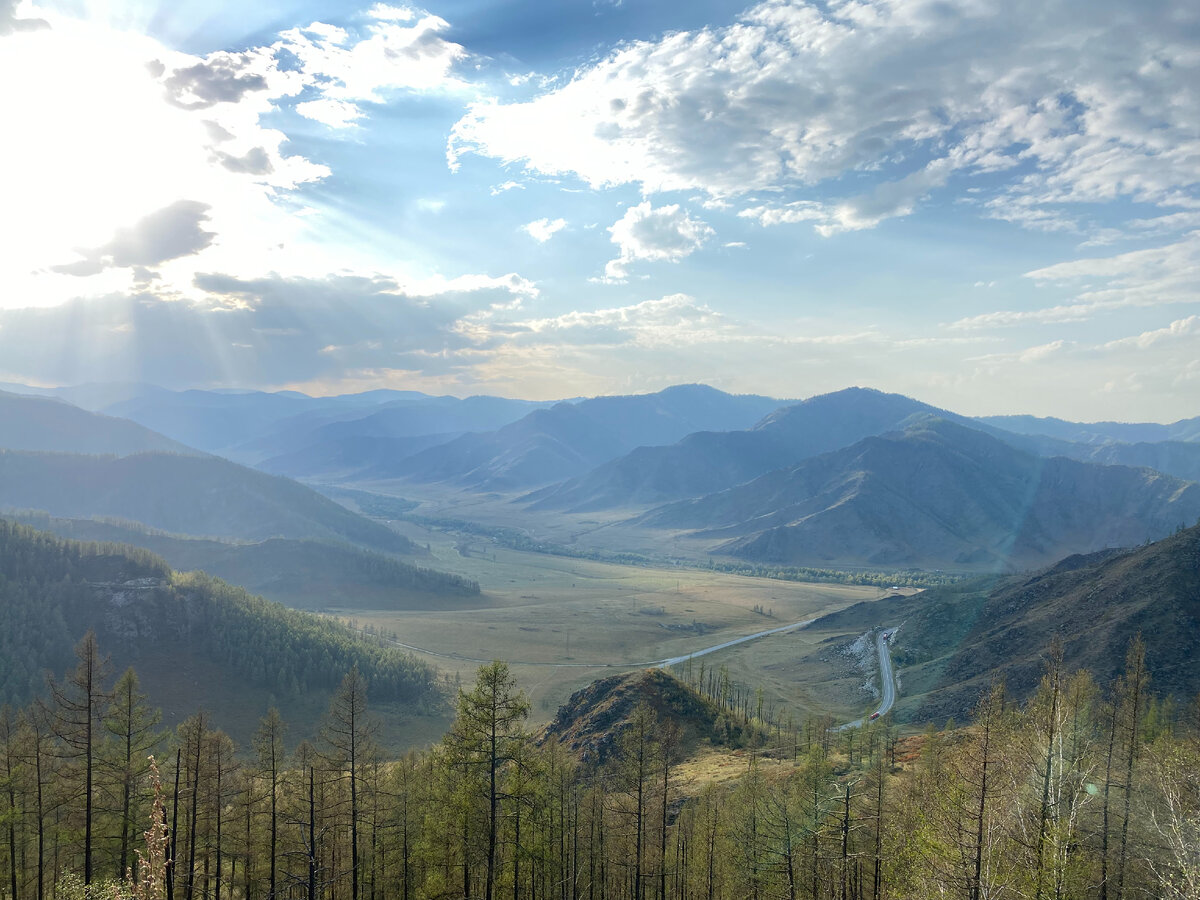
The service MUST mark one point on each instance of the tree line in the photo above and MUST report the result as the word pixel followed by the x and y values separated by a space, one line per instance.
pixel 1082 791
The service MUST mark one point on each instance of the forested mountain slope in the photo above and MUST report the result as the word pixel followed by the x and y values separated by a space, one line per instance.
pixel 196 641
pixel 192 495
pixel 302 574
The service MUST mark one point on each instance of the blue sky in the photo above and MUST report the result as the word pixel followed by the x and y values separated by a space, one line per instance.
pixel 994 207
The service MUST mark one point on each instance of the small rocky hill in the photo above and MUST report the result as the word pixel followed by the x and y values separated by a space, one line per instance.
pixel 591 722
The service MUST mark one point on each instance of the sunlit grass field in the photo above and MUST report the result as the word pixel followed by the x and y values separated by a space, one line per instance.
pixel 564 622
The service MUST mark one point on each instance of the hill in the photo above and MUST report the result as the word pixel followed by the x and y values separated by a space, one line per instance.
pixel 954 639
pixel 196 641
pixel 591 722
pixel 938 495
pixel 45 423
pixel 301 574
pixel 195 495
pixel 706 462
pixel 570 438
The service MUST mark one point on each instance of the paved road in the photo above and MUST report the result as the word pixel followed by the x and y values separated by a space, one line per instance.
pixel 886 675
pixel 676 660
pixel 657 664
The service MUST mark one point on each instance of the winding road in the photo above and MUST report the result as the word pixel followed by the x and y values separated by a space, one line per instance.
pixel 657 664
pixel 887 675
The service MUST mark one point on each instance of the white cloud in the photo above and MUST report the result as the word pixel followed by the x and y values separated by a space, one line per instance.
pixel 541 230
pixel 1003 318
pixel 665 234
pixel 1155 276
pixel 334 113
pixel 1058 104
pixel 1043 352
pixel 671 320
pixel 1180 329
pixel 403 50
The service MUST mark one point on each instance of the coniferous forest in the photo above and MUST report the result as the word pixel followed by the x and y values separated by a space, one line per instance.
pixel 1083 791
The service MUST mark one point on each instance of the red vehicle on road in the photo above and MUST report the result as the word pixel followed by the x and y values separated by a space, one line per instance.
pixel 873 717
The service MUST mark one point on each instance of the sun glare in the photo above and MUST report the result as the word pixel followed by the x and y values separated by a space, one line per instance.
pixel 99 145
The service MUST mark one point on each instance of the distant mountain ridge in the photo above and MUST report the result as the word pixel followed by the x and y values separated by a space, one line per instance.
pixel 936 495
pixel 45 423
pixel 569 438
pixel 1099 432
pixel 194 495
pixel 397 425
pixel 705 462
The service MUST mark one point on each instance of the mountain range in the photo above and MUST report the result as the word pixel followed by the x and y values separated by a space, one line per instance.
pixel 935 495
pixel 570 438
pixel 857 477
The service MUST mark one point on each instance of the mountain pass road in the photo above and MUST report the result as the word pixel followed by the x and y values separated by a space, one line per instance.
pixel 886 676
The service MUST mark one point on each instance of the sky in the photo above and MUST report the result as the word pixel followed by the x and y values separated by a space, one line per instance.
pixel 989 206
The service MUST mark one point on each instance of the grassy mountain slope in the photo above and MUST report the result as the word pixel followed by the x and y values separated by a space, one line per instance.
pixel 937 495
pixel 953 639
pixel 183 494
pixel 302 574
pixel 44 423
pixel 570 438
pixel 196 640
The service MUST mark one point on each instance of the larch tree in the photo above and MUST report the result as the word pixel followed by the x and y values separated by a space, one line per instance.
pixel 77 703
pixel 485 732
pixel 348 733
pixel 132 725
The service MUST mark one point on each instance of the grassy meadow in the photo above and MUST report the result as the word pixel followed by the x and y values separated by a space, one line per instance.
pixel 563 622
